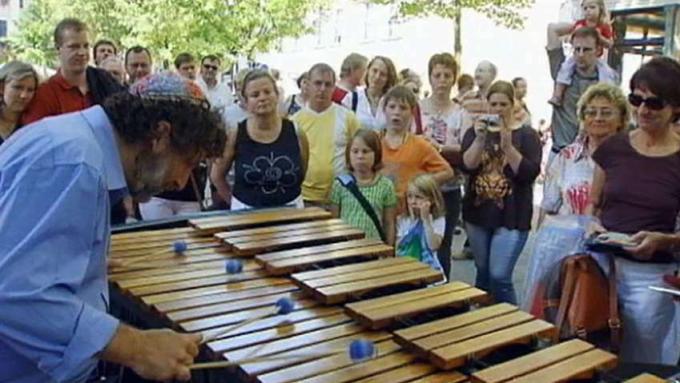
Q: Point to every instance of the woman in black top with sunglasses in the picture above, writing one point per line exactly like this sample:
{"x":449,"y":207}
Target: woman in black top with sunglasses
{"x":636,"y":191}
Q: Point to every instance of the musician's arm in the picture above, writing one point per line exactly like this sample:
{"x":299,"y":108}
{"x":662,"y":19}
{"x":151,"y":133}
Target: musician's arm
{"x":47,"y":254}
{"x":153,"y":354}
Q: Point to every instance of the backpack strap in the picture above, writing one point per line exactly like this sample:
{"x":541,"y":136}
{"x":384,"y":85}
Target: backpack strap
{"x":355,"y":100}
{"x":291,"y":107}
{"x":349,"y":183}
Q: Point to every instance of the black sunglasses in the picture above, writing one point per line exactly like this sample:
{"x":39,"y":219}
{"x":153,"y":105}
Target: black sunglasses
{"x":653,"y":103}
{"x":207,"y":66}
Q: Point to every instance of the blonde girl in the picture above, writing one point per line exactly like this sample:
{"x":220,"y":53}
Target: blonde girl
{"x":421,"y":228}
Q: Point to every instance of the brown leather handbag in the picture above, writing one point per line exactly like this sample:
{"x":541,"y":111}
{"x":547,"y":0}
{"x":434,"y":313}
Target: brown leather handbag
{"x":587,"y":306}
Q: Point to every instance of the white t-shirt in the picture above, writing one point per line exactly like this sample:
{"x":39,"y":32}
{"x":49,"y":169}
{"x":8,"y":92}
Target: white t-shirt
{"x":232,"y":115}
{"x":219,"y":96}
{"x":445,"y":128}
{"x":366,"y":118}
{"x":406,"y":222}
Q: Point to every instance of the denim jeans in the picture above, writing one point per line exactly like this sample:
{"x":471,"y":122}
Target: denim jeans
{"x":649,"y":318}
{"x":496,"y":252}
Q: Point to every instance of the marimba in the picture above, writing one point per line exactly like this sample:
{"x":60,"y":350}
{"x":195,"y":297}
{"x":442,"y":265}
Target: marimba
{"x":345,"y":287}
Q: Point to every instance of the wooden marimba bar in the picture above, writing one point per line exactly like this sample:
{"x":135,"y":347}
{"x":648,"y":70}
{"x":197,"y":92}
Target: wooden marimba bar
{"x":345,"y":287}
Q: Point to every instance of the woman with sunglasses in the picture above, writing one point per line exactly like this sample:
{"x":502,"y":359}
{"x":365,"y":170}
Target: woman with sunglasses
{"x":636,"y":191}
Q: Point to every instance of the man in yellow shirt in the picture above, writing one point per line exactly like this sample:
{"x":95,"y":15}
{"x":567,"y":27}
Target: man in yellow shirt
{"x":329,"y":127}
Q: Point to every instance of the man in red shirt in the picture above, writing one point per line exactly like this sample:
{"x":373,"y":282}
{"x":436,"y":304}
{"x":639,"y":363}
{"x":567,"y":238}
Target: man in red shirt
{"x":352,"y":73}
{"x":75,"y":86}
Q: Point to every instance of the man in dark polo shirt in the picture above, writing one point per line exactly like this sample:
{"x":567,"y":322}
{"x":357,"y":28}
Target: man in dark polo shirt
{"x":75,"y":86}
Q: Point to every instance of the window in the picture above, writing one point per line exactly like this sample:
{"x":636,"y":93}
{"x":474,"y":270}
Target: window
{"x":3,"y":28}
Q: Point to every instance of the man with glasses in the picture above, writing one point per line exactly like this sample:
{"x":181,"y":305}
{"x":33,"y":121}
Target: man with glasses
{"x":217,"y":93}
{"x":586,"y":44}
{"x":75,"y":86}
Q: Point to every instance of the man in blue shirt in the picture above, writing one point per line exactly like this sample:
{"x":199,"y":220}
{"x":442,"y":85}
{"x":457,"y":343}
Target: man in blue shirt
{"x":58,"y":179}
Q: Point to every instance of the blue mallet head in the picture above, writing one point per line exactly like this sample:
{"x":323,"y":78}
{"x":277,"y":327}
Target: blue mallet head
{"x":179,"y":246}
{"x":284,"y":306}
{"x":234,"y":266}
{"x":361,"y":349}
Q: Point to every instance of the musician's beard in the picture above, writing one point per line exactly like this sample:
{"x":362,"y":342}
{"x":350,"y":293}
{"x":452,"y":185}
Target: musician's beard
{"x":150,"y":174}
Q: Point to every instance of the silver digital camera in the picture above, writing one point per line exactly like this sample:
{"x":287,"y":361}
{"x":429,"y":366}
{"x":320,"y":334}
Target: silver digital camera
{"x":491,"y":119}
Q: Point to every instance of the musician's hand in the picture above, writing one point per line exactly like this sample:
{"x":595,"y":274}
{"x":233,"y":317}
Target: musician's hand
{"x":166,"y":355}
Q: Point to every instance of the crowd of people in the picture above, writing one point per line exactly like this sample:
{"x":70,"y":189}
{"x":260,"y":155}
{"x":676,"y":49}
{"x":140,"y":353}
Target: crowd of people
{"x":98,"y":145}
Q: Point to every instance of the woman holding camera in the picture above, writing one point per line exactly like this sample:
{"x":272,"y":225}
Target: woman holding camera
{"x":502,"y":157}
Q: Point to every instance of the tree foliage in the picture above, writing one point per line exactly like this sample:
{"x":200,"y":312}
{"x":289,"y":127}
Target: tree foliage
{"x":167,"y":27}
{"x":502,"y":12}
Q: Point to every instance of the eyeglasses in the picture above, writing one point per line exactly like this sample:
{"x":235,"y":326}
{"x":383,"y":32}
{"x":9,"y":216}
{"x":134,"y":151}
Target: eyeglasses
{"x":603,"y":113}
{"x":208,"y":66}
{"x":653,"y":103}
{"x":583,"y":49}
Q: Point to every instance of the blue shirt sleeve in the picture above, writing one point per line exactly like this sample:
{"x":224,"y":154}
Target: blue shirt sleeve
{"x":53,"y":268}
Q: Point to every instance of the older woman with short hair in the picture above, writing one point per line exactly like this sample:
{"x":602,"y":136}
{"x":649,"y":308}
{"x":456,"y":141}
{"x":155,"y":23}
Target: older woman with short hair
{"x":636,"y":191}
{"x":603,"y":111}
{"x":18,"y":82}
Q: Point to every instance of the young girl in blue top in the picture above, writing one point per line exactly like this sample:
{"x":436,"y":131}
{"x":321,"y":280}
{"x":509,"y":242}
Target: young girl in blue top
{"x":420,"y":230}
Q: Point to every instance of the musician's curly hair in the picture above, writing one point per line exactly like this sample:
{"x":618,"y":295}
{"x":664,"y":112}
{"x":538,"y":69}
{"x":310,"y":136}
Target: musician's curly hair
{"x":196,"y":130}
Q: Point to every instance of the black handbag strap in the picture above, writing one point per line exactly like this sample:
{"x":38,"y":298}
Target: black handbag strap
{"x":348,"y":181}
